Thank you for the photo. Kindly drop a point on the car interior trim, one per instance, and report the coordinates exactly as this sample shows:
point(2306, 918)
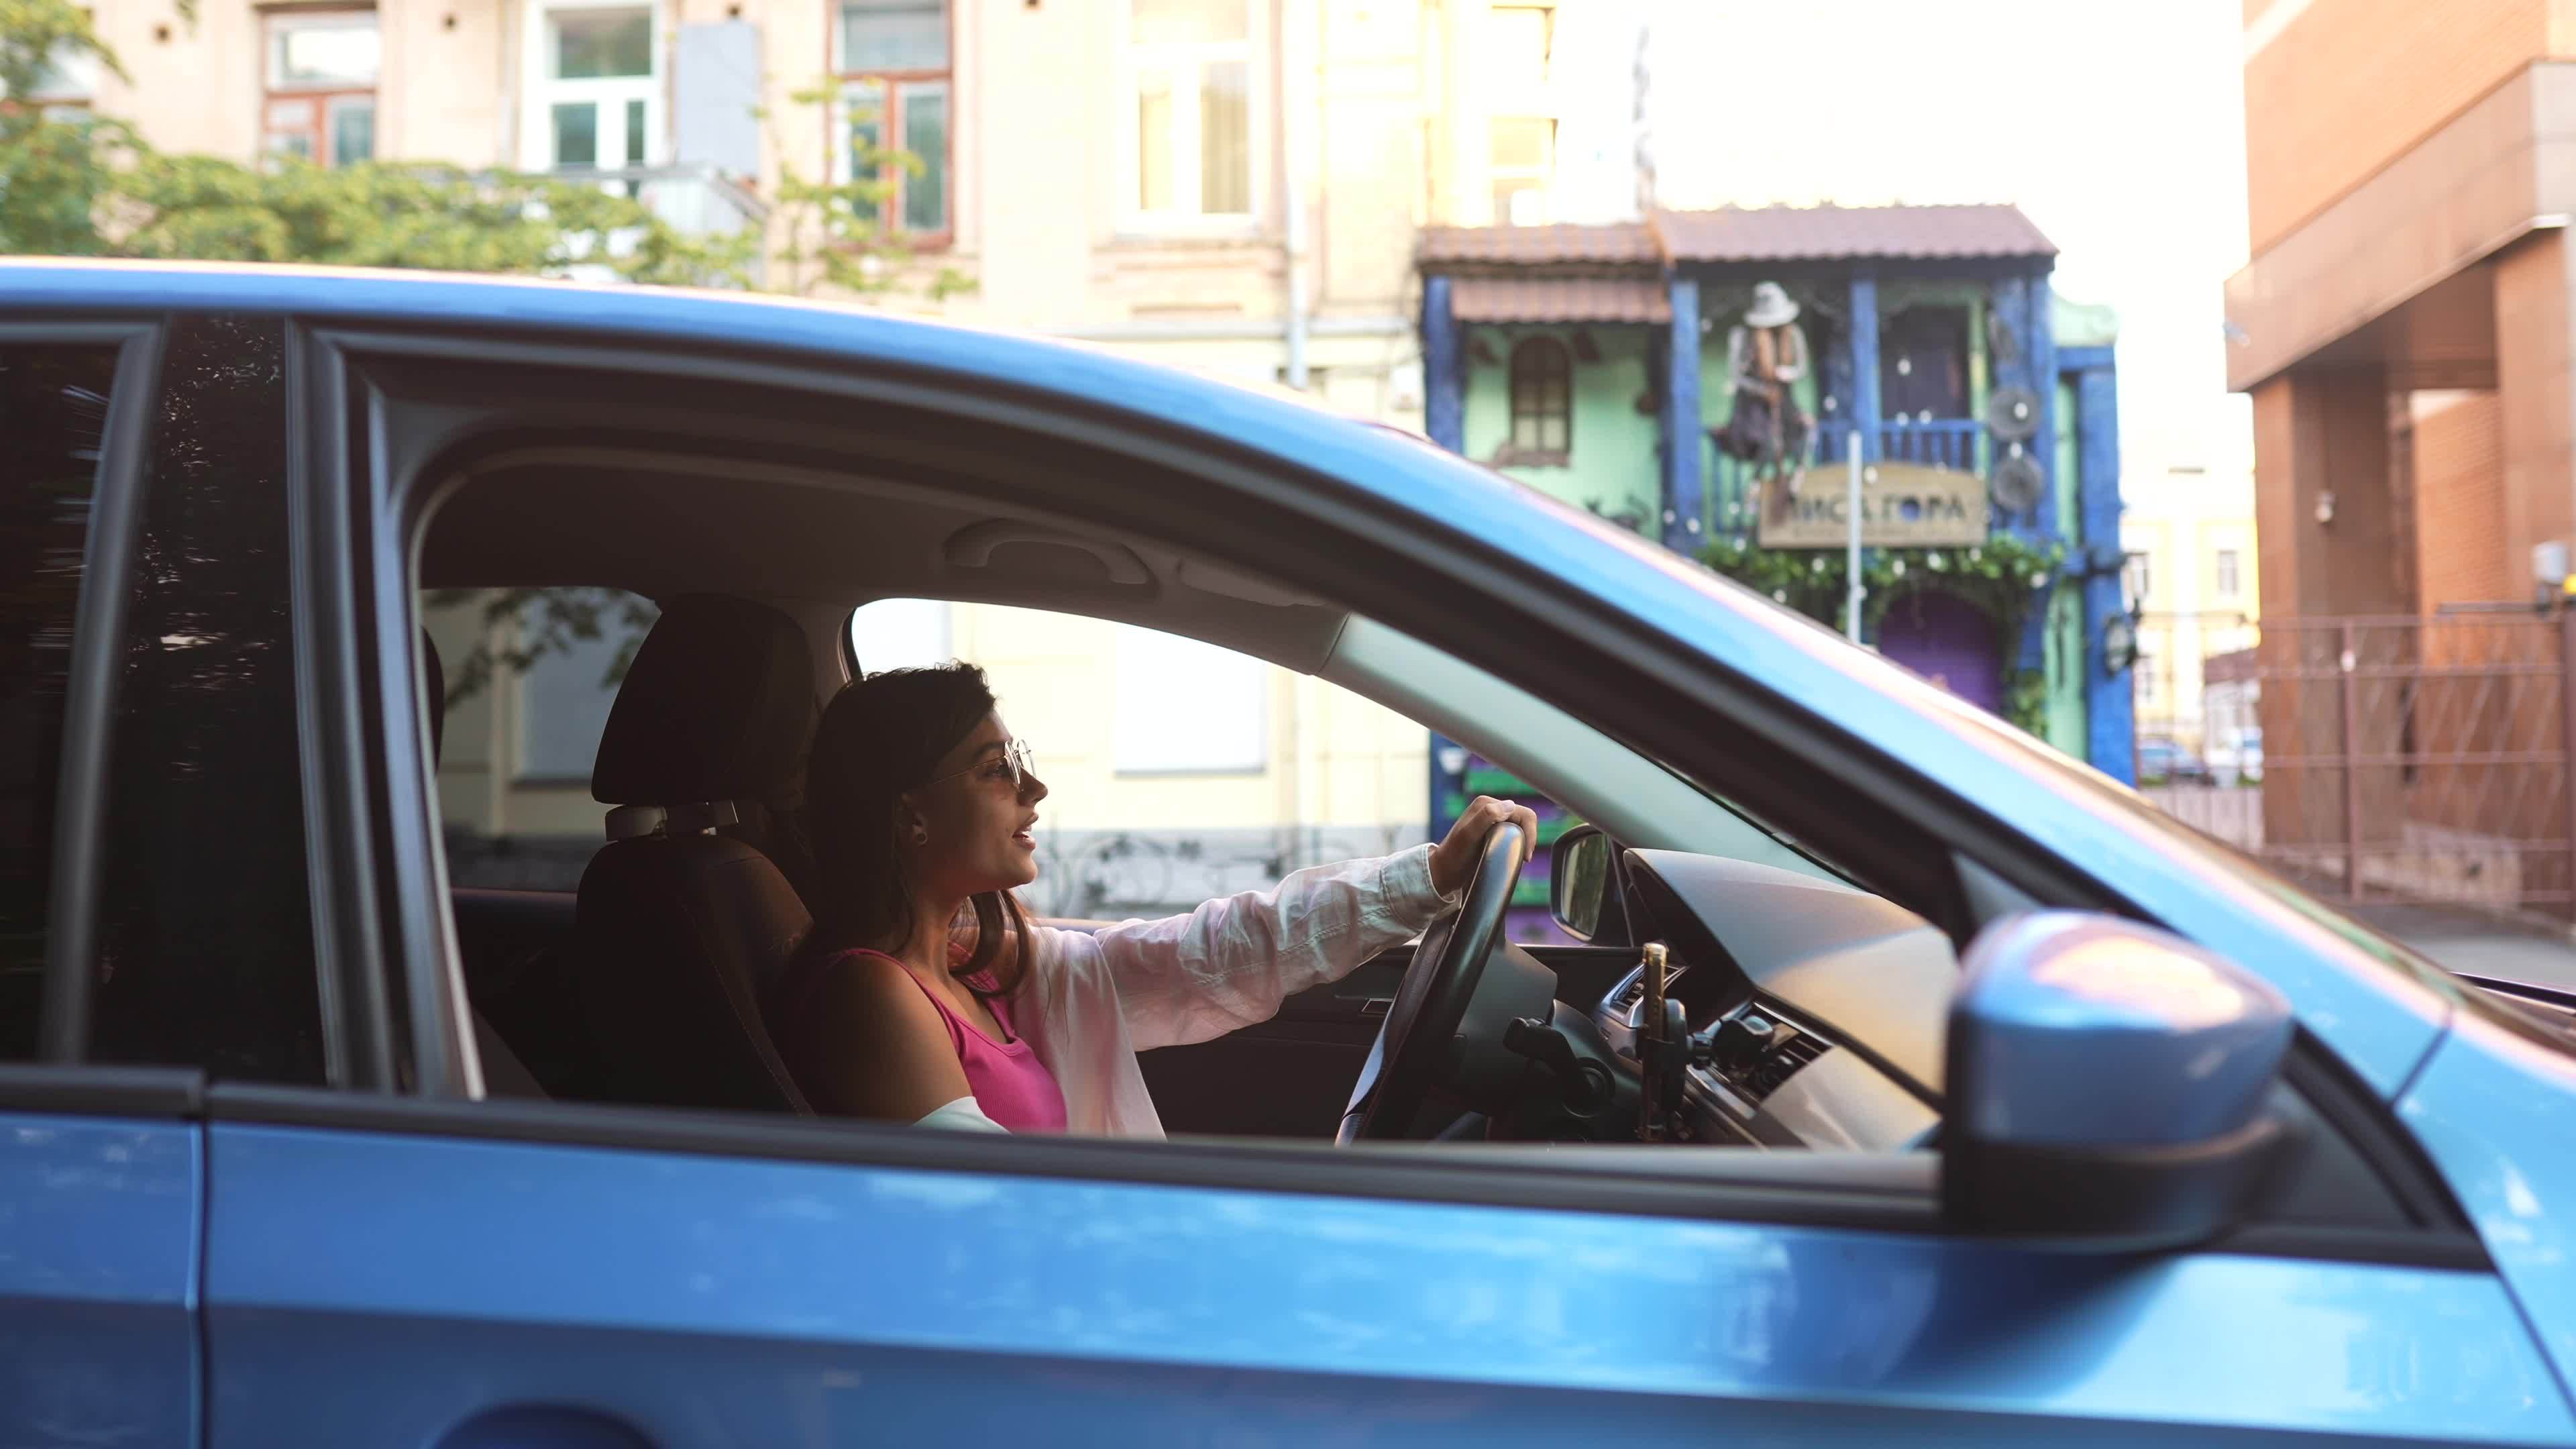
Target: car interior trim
point(2347, 1106)
point(85, 1090)
point(96, 669)
point(1877, 1192)
point(436, 1011)
point(331, 734)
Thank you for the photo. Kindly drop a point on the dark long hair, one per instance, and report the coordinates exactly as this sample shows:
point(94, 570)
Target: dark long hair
point(881, 736)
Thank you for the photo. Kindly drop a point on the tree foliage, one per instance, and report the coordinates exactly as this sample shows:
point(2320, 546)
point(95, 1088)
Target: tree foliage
point(2003, 578)
point(833, 234)
point(75, 183)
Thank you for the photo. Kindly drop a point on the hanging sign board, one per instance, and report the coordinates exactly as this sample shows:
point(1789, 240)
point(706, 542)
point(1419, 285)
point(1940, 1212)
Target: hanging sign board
point(1902, 505)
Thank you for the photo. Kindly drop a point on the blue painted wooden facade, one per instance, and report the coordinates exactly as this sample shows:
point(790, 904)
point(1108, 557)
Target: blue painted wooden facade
point(1487, 290)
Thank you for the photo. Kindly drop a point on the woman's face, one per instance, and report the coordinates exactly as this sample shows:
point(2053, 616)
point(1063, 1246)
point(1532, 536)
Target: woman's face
point(979, 819)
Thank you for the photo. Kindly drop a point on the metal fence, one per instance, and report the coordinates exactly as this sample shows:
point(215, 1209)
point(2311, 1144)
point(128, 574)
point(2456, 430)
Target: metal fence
point(2403, 758)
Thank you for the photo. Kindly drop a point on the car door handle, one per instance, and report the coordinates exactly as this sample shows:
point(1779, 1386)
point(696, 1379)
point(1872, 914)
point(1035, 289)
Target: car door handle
point(1377, 1006)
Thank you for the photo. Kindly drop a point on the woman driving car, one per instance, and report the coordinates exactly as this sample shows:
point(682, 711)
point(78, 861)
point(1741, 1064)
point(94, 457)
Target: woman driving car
point(926, 995)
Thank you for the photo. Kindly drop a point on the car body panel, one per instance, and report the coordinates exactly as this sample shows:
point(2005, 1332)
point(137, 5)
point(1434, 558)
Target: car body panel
point(98, 1281)
point(2376, 1010)
point(378, 1288)
point(2496, 1110)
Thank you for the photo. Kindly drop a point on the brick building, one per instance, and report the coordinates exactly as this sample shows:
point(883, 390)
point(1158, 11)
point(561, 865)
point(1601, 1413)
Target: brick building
point(2404, 329)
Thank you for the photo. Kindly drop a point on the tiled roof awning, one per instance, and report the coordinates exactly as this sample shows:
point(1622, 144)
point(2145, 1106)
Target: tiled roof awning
point(1744, 235)
point(1841, 233)
point(1559, 299)
point(1615, 244)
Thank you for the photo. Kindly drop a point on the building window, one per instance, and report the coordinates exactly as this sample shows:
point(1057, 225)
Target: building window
point(2141, 580)
point(598, 97)
point(1189, 70)
point(895, 96)
point(1523, 168)
point(1524, 50)
point(67, 82)
point(320, 99)
point(2228, 579)
point(1542, 403)
point(1518, 72)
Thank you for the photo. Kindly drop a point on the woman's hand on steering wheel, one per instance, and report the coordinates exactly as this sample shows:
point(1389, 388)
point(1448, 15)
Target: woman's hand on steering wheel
point(1454, 859)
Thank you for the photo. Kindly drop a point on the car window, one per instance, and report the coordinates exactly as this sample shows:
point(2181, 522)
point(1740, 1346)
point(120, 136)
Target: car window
point(1178, 771)
point(530, 676)
point(205, 916)
point(53, 410)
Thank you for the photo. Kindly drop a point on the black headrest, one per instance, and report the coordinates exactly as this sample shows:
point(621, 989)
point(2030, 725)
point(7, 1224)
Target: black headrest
point(718, 705)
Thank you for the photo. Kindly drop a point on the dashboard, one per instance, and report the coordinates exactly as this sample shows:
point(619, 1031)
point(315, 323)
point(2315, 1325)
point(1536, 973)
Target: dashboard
point(1819, 1008)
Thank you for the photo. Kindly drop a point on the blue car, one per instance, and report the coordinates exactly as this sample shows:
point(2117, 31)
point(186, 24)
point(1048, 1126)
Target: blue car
point(1903, 1082)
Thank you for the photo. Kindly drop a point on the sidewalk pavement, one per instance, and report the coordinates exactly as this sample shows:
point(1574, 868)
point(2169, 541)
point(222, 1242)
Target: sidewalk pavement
point(2480, 945)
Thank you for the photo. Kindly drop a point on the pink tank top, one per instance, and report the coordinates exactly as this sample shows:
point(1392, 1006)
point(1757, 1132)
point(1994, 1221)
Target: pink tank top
point(1010, 1084)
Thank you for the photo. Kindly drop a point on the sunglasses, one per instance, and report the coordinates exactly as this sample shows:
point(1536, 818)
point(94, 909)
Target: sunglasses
point(1013, 764)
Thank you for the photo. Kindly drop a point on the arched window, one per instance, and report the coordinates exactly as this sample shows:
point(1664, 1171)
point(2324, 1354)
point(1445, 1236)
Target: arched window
point(1542, 401)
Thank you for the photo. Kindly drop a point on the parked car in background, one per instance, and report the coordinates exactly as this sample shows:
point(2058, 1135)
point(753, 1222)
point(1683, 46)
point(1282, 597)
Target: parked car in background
point(2236, 760)
point(2165, 762)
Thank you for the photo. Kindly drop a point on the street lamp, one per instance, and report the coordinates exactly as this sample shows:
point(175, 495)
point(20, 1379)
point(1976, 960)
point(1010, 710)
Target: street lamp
point(2120, 631)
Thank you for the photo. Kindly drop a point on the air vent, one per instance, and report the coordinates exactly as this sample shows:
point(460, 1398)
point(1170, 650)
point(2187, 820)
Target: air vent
point(1781, 1063)
point(1633, 995)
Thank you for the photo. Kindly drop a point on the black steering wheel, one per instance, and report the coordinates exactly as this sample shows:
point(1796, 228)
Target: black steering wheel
point(1413, 1052)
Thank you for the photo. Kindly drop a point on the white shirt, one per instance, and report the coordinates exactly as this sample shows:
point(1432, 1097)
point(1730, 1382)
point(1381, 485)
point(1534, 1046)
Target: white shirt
point(1093, 1001)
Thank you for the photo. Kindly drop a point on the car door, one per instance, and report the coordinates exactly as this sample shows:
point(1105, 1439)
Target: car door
point(100, 1167)
point(407, 1264)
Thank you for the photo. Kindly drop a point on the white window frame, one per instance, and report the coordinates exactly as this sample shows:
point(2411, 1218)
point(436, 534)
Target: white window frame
point(2228, 573)
point(1134, 59)
point(1546, 89)
point(540, 94)
point(1539, 181)
point(273, 28)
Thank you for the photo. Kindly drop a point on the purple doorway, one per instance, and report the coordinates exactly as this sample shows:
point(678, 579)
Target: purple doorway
point(1946, 640)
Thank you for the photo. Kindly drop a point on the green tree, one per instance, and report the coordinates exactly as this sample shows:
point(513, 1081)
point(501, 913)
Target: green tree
point(833, 234)
point(55, 167)
point(77, 184)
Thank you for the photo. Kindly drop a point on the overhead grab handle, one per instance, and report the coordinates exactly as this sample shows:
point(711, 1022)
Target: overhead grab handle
point(972, 547)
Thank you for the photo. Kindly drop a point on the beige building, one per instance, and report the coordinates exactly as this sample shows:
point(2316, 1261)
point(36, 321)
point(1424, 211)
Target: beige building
point(1229, 186)
point(2189, 534)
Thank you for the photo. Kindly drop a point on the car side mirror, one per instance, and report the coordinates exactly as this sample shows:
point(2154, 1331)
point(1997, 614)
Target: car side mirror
point(1583, 887)
point(2107, 1086)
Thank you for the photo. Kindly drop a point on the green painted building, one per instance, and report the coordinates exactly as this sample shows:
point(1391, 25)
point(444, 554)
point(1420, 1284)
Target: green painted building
point(1929, 334)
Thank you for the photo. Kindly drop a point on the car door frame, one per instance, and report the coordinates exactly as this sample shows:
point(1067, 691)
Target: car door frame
point(366, 554)
point(358, 558)
point(101, 1166)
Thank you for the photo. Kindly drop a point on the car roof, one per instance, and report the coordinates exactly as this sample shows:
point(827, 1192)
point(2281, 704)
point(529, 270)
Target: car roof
point(544, 304)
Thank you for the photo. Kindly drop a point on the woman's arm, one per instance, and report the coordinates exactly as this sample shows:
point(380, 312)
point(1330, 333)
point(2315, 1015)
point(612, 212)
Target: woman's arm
point(863, 1040)
point(1231, 962)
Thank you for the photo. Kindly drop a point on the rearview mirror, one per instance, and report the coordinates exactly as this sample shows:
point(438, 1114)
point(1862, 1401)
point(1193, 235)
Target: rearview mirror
point(2107, 1086)
point(1583, 887)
